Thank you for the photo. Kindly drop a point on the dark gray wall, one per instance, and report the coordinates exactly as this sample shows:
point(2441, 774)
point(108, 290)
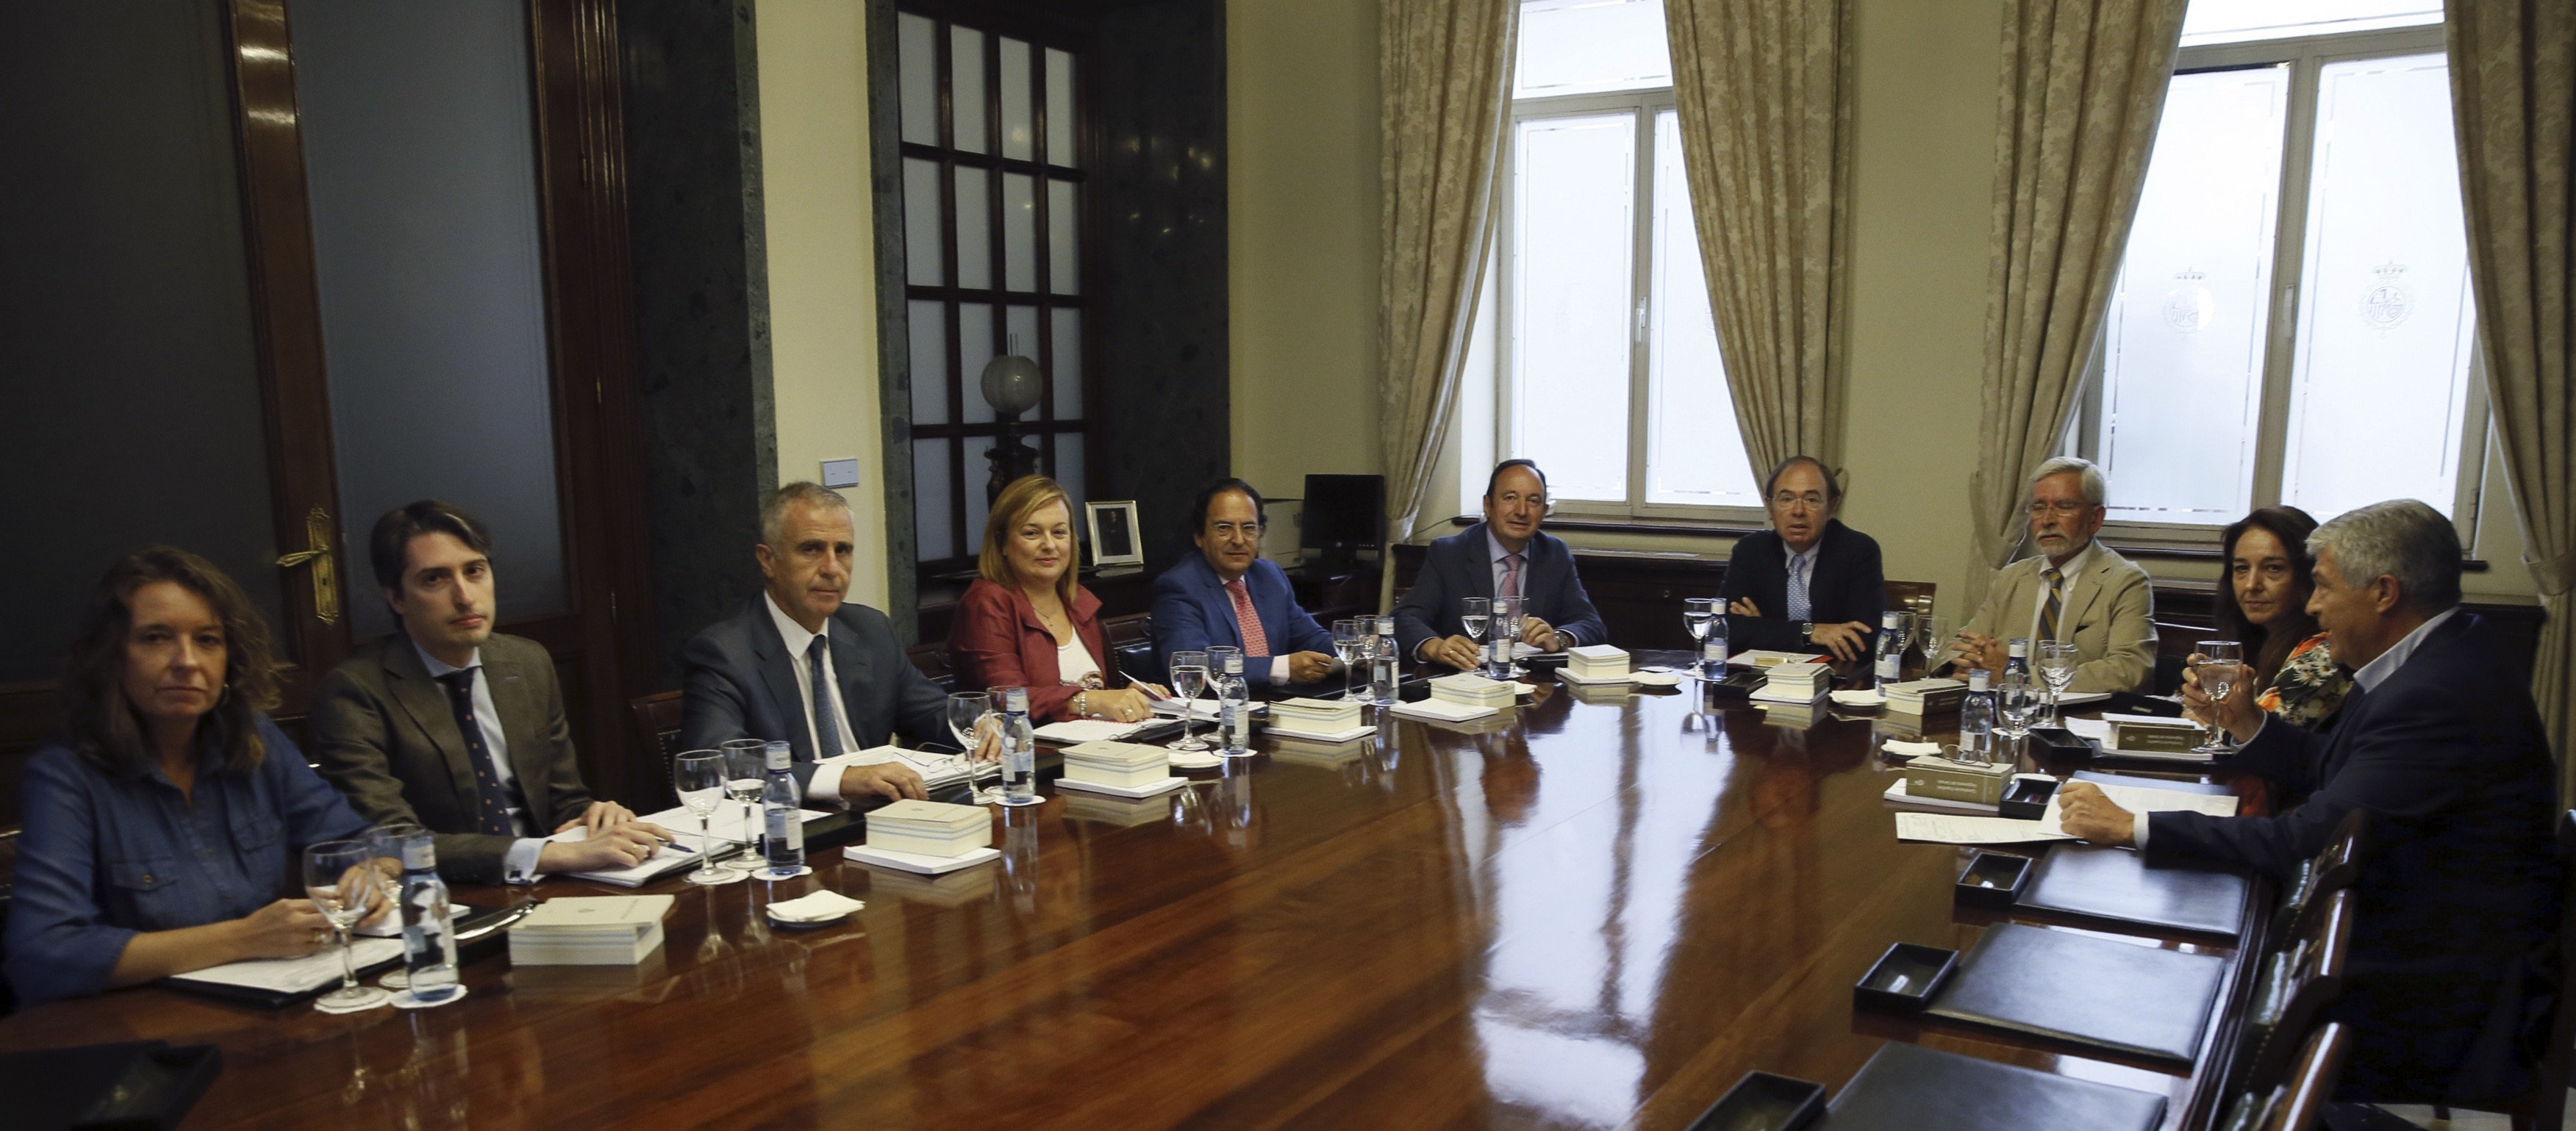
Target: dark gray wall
point(1161, 397)
point(701, 302)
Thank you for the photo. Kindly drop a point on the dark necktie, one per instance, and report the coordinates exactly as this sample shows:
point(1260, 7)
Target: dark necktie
point(2056, 605)
point(827, 726)
point(491, 800)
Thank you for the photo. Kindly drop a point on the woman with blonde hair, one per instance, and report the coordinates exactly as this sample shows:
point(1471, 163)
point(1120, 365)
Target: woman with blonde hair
point(1028, 622)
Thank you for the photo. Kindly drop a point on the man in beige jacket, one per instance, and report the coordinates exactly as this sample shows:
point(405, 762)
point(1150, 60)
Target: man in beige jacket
point(2073, 589)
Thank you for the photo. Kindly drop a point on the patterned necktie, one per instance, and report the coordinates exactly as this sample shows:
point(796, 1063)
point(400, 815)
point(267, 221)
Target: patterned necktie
point(1799, 608)
point(1255, 641)
point(1511, 586)
point(491, 801)
point(827, 723)
point(2056, 605)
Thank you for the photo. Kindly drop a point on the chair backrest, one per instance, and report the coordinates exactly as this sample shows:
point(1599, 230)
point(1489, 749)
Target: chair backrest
point(1910, 596)
point(2298, 981)
point(657, 735)
point(2312, 1080)
point(932, 660)
point(2333, 870)
point(2174, 645)
point(1132, 638)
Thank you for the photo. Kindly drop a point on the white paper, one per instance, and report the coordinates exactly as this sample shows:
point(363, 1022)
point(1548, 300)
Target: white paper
point(1203, 710)
point(1945, 828)
point(814, 907)
point(1440, 710)
point(1073, 731)
point(1906, 749)
point(296, 975)
point(728, 825)
point(2143, 801)
point(938, 771)
point(1325, 736)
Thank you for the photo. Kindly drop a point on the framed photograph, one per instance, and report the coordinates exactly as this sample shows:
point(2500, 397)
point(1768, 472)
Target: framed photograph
point(1113, 533)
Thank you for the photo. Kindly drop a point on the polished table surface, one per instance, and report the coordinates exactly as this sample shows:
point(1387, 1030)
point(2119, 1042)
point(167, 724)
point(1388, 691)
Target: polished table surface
point(1597, 910)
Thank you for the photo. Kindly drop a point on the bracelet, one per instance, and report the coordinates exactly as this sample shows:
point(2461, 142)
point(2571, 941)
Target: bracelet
point(1082, 704)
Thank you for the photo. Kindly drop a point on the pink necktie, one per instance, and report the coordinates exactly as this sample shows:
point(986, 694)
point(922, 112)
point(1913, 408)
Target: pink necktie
point(1511, 576)
point(1255, 642)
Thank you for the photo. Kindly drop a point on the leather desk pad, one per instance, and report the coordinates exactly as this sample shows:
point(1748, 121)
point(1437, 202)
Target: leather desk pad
point(1911, 1088)
point(2121, 889)
point(2141, 1001)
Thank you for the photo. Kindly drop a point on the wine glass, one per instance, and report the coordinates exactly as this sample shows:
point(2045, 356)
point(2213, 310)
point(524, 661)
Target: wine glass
point(745, 760)
point(2217, 665)
point(1698, 613)
point(1932, 634)
point(1189, 677)
point(2017, 706)
point(698, 776)
point(967, 711)
point(2058, 660)
point(1507, 634)
point(1351, 645)
point(342, 879)
point(388, 842)
point(1478, 615)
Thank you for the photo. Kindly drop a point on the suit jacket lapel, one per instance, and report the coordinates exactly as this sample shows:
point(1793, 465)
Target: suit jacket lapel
point(524, 728)
point(852, 665)
point(425, 700)
point(1480, 556)
point(1216, 604)
point(769, 653)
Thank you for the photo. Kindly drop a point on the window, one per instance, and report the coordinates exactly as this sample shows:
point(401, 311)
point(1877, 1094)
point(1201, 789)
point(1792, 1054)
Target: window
point(2293, 320)
point(1610, 376)
point(992, 197)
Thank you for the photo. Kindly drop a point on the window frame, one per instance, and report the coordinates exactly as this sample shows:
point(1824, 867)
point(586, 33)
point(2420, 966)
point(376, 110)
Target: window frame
point(2306, 57)
point(1647, 104)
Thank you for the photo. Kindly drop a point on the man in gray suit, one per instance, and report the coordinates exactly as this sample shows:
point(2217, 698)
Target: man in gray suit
point(456, 728)
point(2073, 589)
point(797, 665)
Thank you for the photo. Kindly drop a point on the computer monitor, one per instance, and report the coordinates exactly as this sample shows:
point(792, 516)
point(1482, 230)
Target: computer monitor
point(1344, 514)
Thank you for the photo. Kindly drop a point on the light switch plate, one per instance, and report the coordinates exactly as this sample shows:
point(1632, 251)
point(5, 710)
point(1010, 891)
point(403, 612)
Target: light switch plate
point(841, 473)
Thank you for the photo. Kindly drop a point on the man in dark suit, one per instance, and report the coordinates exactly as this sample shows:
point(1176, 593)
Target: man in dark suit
point(456, 728)
point(1504, 555)
point(797, 665)
point(2440, 742)
point(1229, 594)
point(1810, 583)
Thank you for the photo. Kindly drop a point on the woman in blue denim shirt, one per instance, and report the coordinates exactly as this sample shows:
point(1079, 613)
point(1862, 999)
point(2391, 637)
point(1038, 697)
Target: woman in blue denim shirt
point(164, 833)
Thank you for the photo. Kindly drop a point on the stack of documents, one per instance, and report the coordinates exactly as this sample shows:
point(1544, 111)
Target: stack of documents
point(615, 930)
point(1202, 710)
point(1120, 812)
point(728, 826)
point(1794, 683)
point(1945, 829)
point(930, 828)
point(1925, 696)
point(1327, 754)
point(938, 771)
point(1441, 711)
point(1595, 663)
point(1316, 716)
point(1469, 689)
point(1126, 765)
point(1761, 659)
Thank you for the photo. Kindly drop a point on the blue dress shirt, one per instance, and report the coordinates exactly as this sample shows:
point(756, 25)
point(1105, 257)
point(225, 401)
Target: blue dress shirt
point(104, 858)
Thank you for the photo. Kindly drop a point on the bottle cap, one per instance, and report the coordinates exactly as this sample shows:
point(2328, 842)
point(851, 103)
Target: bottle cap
point(1386, 626)
point(778, 755)
point(420, 854)
point(1016, 699)
point(2020, 646)
point(1891, 618)
point(1234, 663)
point(1977, 680)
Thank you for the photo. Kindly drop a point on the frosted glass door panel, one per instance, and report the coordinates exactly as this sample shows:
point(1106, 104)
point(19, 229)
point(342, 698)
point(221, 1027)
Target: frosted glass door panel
point(917, 40)
point(974, 348)
point(1068, 364)
point(1059, 108)
point(974, 228)
point(929, 344)
point(1020, 336)
point(931, 506)
point(1586, 46)
point(2386, 332)
point(1019, 113)
point(923, 211)
point(1064, 238)
point(1019, 233)
point(1573, 199)
point(420, 165)
point(2182, 377)
point(966, 89)
point(1068, 475)
point(1694, 452)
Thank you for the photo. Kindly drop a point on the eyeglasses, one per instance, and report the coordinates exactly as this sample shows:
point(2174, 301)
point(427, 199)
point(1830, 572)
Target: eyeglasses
point(1508, 500)
point(1230, 529)
point(1786, 499)
point(2065, 508)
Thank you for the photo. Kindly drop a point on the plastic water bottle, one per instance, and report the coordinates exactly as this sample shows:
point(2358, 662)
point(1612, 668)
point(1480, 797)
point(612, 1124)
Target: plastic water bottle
point(1234, 708)
point(782, 832)
point(1383, 669)
point(1019, 750)
point(2017, 657)
point(1977, 720)
point(1712, 649)
point(1891, 646)
point(428, 927)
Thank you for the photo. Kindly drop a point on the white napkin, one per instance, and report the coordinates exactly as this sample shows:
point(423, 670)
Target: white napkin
point(1911, 749)
point(817, 907)
point(1869, 697)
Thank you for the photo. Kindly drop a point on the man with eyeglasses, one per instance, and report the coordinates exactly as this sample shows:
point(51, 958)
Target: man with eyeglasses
point(1810, 583)
point(1503, 556)
point(1228, 594)
point(2073, 589)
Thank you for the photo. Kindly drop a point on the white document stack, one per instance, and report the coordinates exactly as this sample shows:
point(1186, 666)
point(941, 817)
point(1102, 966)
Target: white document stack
point(930, 828)
point(616, 930)
point(1316, 716)
point(1473, 690)
point(1925, 696)
point(1596, 663)
point(1794, 683)
point(1127, 765)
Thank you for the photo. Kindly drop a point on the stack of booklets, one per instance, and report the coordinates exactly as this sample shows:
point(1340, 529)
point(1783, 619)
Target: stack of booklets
point(930, 828)
point(1441, 711)
point(1119, 766)
point(1595, 663)
point(1925, 696)
point(1472, 690)
point(614, 930)
point(1794, 683)
point(1318, 720)
point(1307, 752)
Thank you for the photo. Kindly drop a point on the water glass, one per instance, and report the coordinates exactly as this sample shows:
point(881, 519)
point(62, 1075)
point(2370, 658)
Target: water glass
point(2057, 662)
point(2017, 707)
point(2218, 666)
point(1932, 635)
point(1189, 672)
point(746, 760)
point(967, 713)
point(698, 776)
point(1507, 635)
point(1475, 618)
point(1699, 616)
point(342, 880)
point(1351, 643)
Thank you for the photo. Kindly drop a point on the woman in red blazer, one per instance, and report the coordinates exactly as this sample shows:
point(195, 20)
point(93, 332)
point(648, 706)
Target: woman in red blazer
point(1028, 623)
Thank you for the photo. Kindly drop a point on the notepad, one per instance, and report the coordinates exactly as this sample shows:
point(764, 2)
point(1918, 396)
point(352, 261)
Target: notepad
point(1947, 828)
point(291, 976)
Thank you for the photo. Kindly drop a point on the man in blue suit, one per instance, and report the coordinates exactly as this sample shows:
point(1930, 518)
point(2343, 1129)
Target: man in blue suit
point(1503, 555)
point(2440, 742)
point(1228, 594)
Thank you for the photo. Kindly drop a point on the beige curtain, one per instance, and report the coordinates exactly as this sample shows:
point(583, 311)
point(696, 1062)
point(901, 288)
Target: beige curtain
point(1444, 93)
point(2513, 86)
point(2083, 85)
point(1765, 104)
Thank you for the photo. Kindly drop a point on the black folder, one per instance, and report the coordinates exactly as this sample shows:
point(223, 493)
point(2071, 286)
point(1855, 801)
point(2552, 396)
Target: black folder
point(1911, 1088)
point(133, 1085)
point(2125, 998)
point(2119, 890)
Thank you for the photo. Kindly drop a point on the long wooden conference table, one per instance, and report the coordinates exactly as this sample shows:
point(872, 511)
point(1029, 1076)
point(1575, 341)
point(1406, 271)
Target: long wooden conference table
point(1599, 910)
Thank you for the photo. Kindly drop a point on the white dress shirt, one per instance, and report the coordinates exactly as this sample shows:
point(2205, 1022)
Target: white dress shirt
point(1791, 560)
point(519, 864)
point(824, 786)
